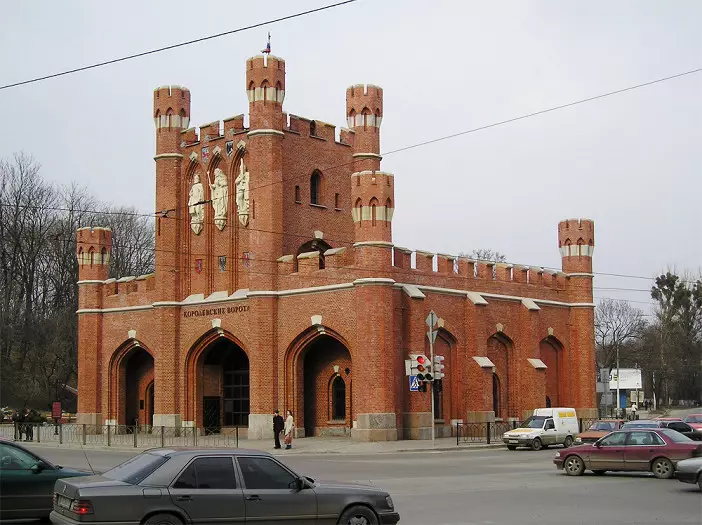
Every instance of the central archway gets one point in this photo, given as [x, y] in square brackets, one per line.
[218, 383]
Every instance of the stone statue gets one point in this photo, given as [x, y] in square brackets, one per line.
[220, 197]
[196, 205]
[242, 194]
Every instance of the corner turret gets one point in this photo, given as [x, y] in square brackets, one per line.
[265, 88]
[576, 241]
[364, 114]
[171, 116]
[93, 248]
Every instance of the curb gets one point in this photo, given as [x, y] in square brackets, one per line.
[467, 447]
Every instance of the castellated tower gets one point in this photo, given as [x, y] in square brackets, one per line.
[93, 248]
[372, 191]
[171, 117]
[576, 241]
[265, 88]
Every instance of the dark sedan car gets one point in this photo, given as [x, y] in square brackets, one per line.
[655, 450]
[188, 485]
[690, 471]
[27, 482]
[682, 427]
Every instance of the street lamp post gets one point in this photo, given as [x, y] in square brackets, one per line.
[618, 401]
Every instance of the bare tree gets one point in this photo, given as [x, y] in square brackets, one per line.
[485, 254]
[617, 326]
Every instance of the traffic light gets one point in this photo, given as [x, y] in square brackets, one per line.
[438, 367]
[421, 367]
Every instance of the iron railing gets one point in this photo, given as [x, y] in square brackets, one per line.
[139, 436]
[485, 432]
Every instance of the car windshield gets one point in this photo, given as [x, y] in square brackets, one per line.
[697, 418]
[603, 425]
[534, 422]
[134, 470]
[676, 437]
[637, 424]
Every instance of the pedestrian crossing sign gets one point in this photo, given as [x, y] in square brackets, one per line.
[414, 384]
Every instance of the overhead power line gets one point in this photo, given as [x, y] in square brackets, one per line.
[181, 44]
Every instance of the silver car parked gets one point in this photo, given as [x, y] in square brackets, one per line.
[181, 486]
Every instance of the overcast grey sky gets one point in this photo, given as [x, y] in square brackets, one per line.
[630, 162]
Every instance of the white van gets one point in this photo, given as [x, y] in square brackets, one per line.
[547, 426]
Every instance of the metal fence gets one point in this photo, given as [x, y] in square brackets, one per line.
[486, 432]
[141, 436]
[491, 432]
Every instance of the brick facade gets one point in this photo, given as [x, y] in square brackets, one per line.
[301, 300]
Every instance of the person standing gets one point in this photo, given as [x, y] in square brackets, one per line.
[289, 426]
[634, 409]
[278, 427]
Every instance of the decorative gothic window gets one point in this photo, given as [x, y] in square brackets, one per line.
[338, 392]
[298, 197]
[313, 128]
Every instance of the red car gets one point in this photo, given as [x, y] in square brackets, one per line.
[694, 420]
[655, 450]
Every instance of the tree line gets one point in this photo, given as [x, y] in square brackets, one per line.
[667, 347]
[38, 275]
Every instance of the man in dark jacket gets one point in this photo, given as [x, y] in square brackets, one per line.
[278, 425]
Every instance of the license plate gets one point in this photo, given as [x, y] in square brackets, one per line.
[64, 502]
[514, 441]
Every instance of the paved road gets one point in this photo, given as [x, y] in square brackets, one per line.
[484, 487]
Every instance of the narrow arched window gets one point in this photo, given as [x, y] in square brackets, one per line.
[366, 117]
[103, 256]
[315, 188]
[338, 393]
[298, 197]
[313, 128]
[92, 257]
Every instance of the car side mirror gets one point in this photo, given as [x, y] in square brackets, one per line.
[37, 467]
[297, 484]
[598, 444]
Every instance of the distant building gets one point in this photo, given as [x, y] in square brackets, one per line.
[278, 285]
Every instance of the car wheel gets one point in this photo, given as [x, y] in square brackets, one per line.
[574, 466]
[599, 472]
[511, 447]
[536, 444]
[568, 442]
[358, 515]
[662, 468]
[163, 519]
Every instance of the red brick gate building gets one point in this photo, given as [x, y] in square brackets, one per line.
[277, 285]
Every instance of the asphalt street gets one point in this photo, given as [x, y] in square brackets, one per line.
[482, 487]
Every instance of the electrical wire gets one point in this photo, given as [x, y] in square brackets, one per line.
[181, 44]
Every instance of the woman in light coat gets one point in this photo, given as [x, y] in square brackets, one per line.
[288, 430]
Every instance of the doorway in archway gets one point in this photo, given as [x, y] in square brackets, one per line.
[326, 382]
[225, 386]
[138, 374]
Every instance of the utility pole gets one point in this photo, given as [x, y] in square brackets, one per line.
[618, 402]
[431, 321]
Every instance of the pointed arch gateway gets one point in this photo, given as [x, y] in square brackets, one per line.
[500, 351]
[131, 386]
[217, 382]
[551, 352]
[319, 383]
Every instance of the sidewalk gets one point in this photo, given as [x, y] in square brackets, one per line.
[311, 445]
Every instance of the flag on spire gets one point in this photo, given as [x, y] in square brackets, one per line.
[268, 45]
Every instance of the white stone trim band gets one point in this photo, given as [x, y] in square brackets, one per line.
[255, 132]
[361, 120]
[91, 281]
[84, 258]
[171, 121]
[269, 94]
[577, 250]
[580, 274]
[169, 156]
[382, 244]
[365, 213]
[474, 297]
[366, 156]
